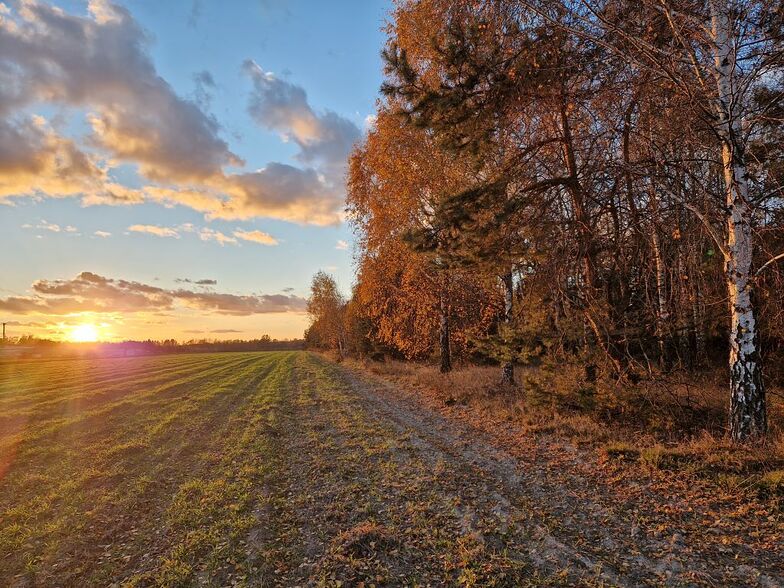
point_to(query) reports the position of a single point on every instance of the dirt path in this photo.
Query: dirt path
(379, 489)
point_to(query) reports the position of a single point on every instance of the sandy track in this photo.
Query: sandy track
(538, 517)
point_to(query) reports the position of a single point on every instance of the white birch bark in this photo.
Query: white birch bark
(663, 314)
(747, 395)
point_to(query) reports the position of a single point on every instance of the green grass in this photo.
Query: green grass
(142, 469)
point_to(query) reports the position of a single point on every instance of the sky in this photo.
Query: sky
(177, 169)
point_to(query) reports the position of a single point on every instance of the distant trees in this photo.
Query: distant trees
(29, 345)
(593, 181)
(326, 307)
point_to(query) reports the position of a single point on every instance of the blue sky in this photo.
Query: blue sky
(218, 56)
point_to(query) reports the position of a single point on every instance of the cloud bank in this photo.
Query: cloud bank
(99, 64)
(90, 292)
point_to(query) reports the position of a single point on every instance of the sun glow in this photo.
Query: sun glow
(84, 333)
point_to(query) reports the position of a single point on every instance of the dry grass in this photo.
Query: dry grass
(363, 540)
(772, 483)
(668, 423)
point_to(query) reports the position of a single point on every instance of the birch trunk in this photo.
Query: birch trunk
(662, 313)
(507, 371)
(747, 403)
(748, 417)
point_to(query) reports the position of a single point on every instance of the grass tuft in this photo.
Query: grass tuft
(772, 484)
(363, 540)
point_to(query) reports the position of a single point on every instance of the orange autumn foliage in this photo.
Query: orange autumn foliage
(395, 182)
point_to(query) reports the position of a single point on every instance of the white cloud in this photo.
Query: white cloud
(102, 234)
(207, 234)
(259, 237)
(101, 62)
(155, 230)
(204, 233)
(47, 226)
(35, 160)
(104, 12)
(341, 245)
(326, 138)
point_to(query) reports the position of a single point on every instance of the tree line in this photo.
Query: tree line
(593, 181)
(32, 346)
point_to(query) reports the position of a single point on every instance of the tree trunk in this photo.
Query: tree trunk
(681, 282)
(698, 322)
(507, 371)
(662, 310)
(684, 344)
(662, 313)
(443, 339)
(584, 230)
(748, 418)
(586, 247)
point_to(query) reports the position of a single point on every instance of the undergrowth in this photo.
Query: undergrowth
(661, 423)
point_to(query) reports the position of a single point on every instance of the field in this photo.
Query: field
(116, 465)
(281, 468)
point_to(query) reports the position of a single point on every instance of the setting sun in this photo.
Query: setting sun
(85, 333)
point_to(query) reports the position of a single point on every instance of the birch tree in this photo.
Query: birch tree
(717, 53)
(747, 394)
(326, 307)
